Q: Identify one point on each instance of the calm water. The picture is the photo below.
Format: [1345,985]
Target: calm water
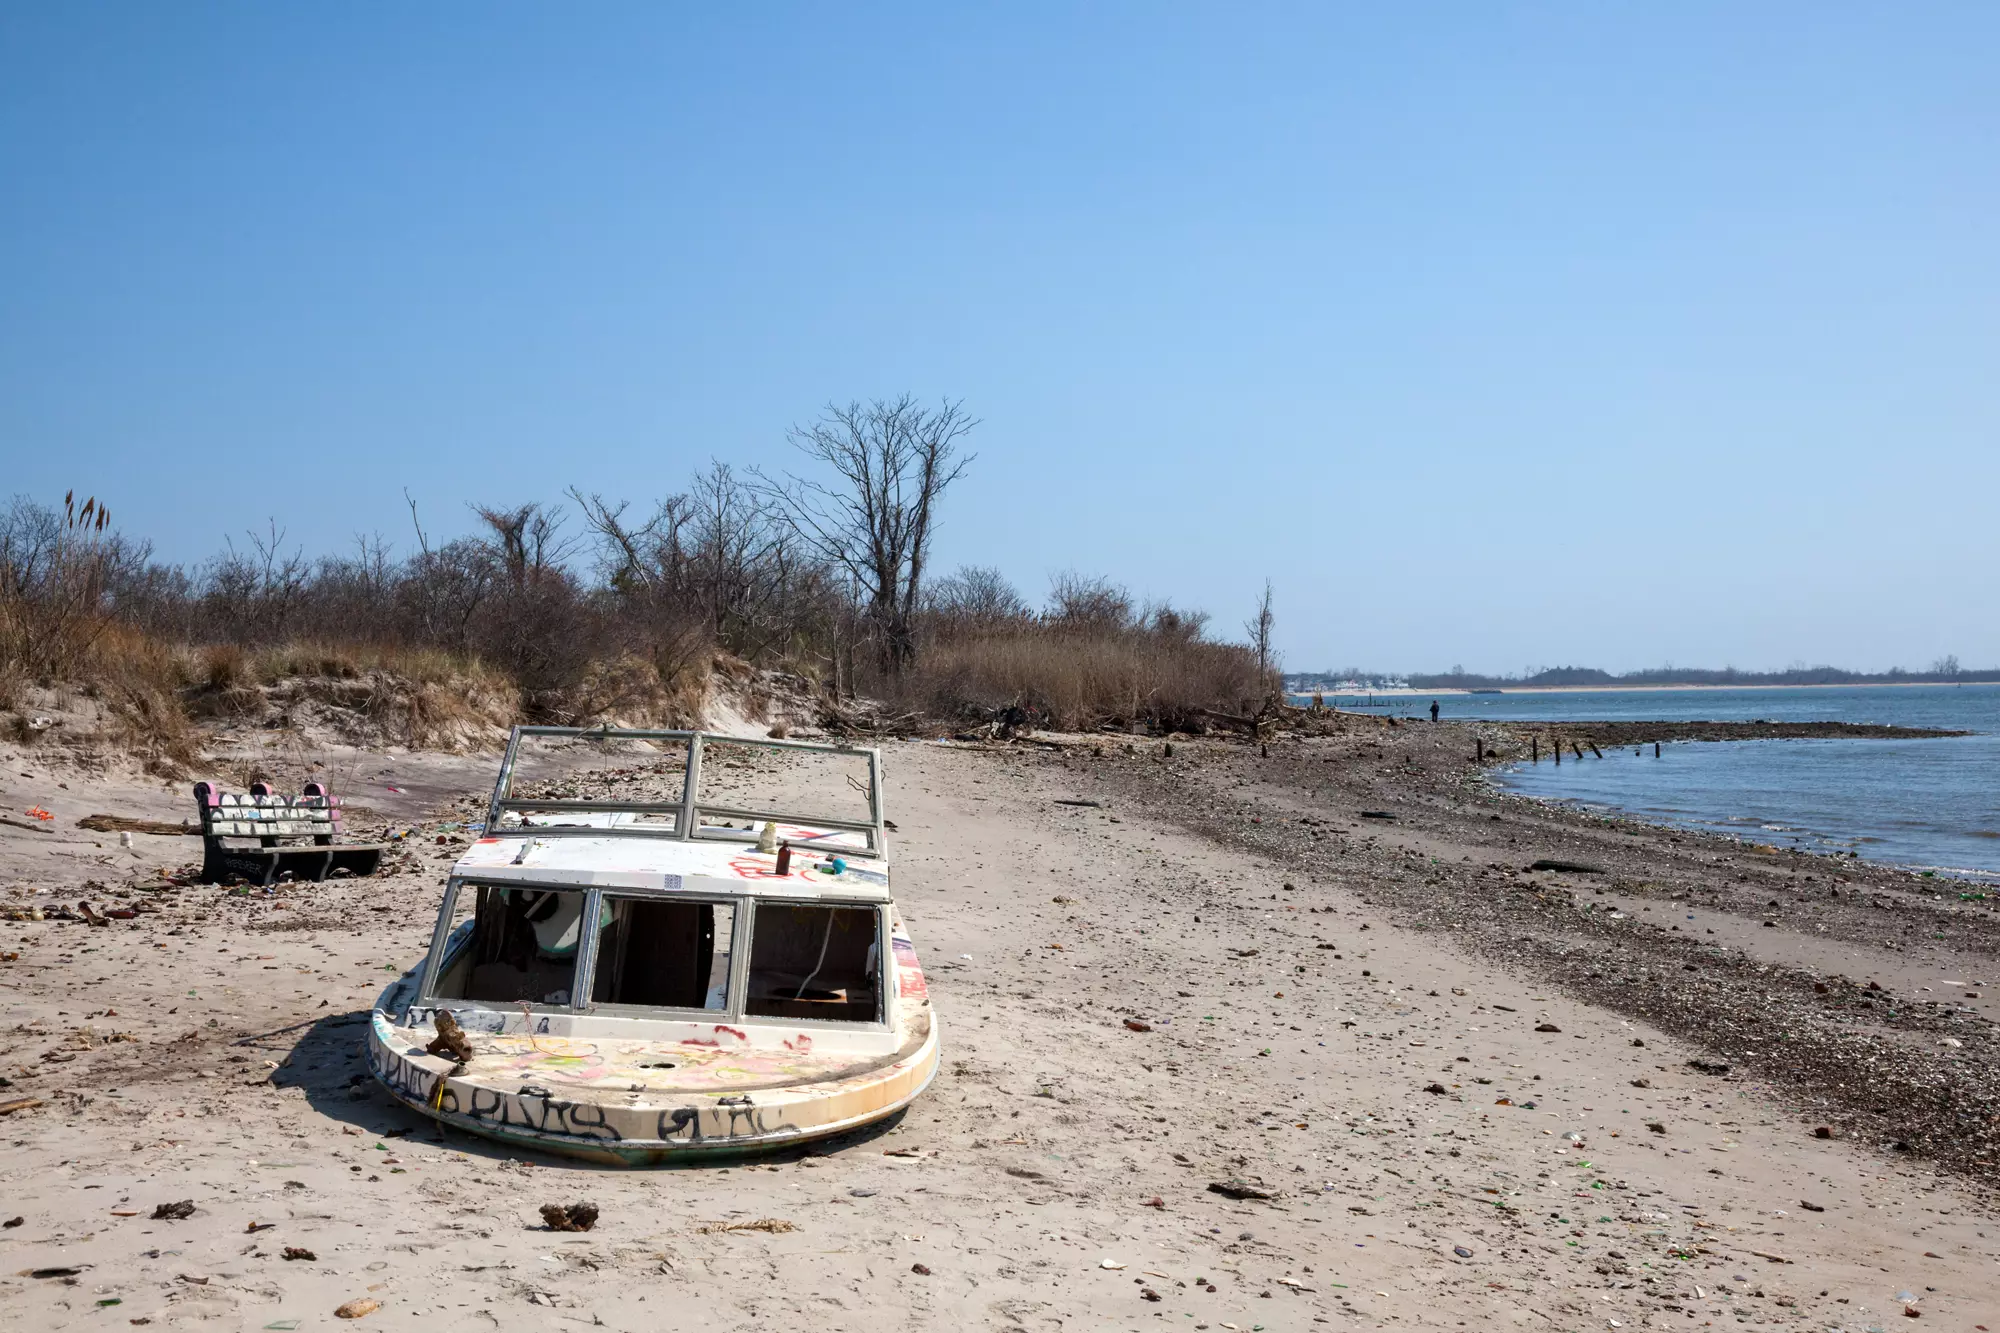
[1931,804]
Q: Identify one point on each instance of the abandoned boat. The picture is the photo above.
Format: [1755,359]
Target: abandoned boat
[639,980]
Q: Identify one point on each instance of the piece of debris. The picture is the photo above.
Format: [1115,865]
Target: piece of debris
[54,1272]
[1138,1025]
[1238,1189]
[1155,1202]
[300,1252]
[771,1226]
[576,1217]
[1656,1127]
[1812,1207]
[1824,1132]
[174,1212]
[13,1104]
[11,1223]
[450,1040]
[1567,867]
[1437,1089]
[120,824]
[1547,1027]
[355,1309]
[922,1270]
[1376,814]
[1715,1067]
[1642,1083]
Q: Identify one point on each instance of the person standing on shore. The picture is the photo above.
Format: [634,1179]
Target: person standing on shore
[1434,710]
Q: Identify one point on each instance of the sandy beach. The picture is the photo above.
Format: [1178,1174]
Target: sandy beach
[1463,1114]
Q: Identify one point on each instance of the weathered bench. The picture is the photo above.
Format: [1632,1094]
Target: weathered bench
[277,824]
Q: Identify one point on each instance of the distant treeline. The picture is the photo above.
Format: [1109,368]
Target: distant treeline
[1943,671]
[622,615]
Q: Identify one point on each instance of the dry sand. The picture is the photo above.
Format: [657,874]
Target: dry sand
[1057,1172]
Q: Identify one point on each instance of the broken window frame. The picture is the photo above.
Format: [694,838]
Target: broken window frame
[884,960]
[584,979]
[738,957]
[435,963]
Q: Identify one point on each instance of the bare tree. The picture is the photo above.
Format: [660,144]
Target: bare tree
[531,540]
[1259,628]
[891,462]
[977,595]
[1078,601]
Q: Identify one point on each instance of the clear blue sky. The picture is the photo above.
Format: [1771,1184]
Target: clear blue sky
[1494,334]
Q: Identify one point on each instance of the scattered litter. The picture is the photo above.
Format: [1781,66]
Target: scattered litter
[920,1270]
[1138,1025]
[299,1252]
[1113,1264]
[1461,1251]
[355,1309]
[174,1212]
[576,1217]
[1237,1189]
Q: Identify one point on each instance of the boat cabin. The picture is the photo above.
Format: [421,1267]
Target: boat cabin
[634,916]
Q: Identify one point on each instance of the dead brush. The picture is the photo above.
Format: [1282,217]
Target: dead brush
[1081,678]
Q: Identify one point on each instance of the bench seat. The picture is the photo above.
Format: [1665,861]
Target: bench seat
[260,836]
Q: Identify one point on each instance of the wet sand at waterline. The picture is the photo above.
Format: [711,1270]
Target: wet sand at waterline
[210,1051]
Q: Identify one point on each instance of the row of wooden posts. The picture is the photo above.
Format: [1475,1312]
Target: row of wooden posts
[1535,749]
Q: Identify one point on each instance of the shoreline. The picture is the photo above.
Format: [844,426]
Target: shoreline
[1522,880]
[1216,1047]
[1640,689]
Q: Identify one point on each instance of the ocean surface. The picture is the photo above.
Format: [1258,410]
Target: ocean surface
[1927,804]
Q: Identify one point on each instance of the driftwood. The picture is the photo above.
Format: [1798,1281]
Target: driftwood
[450,1040]
[120,824]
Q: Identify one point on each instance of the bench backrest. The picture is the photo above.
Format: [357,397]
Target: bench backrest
[262,813]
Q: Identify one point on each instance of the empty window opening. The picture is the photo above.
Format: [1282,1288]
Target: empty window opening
[815,962]
[523,948]
[663,953]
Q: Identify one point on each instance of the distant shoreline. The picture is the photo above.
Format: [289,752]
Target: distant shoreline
[1640,689]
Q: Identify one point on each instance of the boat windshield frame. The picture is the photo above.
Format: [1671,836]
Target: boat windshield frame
[689,812]
[743,934]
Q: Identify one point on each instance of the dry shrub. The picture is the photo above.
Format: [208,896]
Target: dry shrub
[1078,678]
[633,691]
[134,681]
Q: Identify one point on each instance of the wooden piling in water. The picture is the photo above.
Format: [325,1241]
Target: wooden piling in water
[1594,750]
[1535,749]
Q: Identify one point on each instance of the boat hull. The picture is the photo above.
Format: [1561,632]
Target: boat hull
[615,1126]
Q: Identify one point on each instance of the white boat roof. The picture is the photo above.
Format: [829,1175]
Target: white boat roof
[641,845]
[668,865]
